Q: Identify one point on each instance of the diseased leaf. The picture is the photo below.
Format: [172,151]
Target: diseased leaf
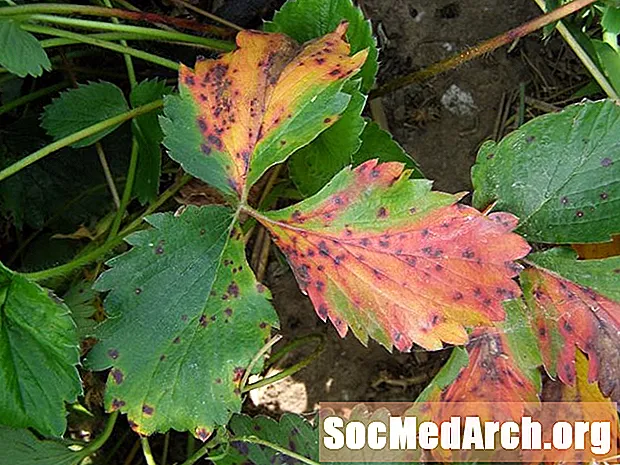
[186,316]
[559,173]
[379,144]
[581,391]
[305,20]
[502,365]
[385,256]
[570,314]
[149,135]
[292,432]
[250,109]
[77,109]
[313,166]
[20,52]
[601,275]
[38,356]
[21,447]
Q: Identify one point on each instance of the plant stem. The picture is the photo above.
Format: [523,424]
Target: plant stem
[257,357]
[131,175]
[131,72]
[87,10]
[101,43]
[213,44]
[77,136]
[110,36]
[146,451]
[110,245]
[483,48]
[206,14]
[101,440]
[108,174]
[32,97]
[292,369]
[583,55]
[271,445]
[200,453]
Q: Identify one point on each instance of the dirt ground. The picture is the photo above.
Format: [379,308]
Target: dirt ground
[441,124]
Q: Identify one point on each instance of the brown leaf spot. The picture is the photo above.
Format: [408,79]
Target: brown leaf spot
[117,375]
[606,162]
[147,410]
[113,354]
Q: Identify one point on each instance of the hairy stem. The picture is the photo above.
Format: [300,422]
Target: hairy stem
[77,136]
[101,43]
[108,174]
[87,10]
[213,44]
[485,47]
[206,14]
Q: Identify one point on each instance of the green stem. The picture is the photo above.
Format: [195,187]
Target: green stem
[146,451]
[131,175]
[200,453]
[101,440]
[87,10]
[213,44]
[32,96]
[110,245]
[77,136]
[481,49]
[131,72]
[583,55]
[271,445]
[102,43]
[294,368]
[109,36]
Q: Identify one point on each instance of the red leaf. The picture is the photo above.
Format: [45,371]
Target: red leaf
[390,259]
[492,374]
[566,316]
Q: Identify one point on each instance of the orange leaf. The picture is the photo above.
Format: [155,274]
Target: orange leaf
[390,259]
[251,108]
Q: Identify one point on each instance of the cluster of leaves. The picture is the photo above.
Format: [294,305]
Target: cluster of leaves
[600,46]
[375,249]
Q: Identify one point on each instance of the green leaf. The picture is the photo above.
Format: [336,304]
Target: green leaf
[609,60]
[186,316]
[77,109]
[61,191]
[21,447]
[377,143]
[602,275]
[149,135]
[611,19]
[458,360]
[20,52]
[305,20]
[81,300]
[292,432]
[314,165]
[559,173]
[38,356]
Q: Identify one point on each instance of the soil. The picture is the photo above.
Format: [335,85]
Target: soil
[441,124]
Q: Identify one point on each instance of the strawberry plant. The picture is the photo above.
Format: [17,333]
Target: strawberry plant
[165,303]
